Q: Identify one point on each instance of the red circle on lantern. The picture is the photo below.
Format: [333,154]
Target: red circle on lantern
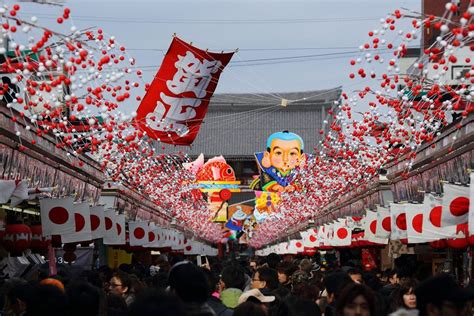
[418,223]
[342,233]
[225,194]
[188,248]
[119,229]
[438,244]
[151,236]
[95,221]
[459,206]
[139,233]
[58,215]
[401,221]
[435,216]
[80,222]
[387,223]
[108,223]
[373,226]
[299,244]
[312,238]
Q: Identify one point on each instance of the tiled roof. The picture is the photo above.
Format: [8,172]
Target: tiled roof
[237,125]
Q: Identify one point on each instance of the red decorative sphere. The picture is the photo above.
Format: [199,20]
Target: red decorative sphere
[17,238]
[457,243]
[38,241]
[439,244]
[69,256]
[225,194]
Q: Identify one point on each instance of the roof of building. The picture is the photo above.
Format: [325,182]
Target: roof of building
[237,125]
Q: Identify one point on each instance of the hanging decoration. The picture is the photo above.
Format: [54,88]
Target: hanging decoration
[176,101]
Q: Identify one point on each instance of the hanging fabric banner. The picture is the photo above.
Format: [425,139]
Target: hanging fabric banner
[176,101]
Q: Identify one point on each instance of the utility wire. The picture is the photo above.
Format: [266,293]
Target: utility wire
[141,20]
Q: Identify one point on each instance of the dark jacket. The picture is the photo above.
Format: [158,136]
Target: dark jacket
[194,309]
[219,308]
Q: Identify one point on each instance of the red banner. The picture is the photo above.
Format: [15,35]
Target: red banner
[176,102]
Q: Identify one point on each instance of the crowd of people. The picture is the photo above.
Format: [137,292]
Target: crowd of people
[266,286]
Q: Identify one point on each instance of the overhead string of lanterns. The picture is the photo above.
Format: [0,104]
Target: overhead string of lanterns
[396,123]
[72,85]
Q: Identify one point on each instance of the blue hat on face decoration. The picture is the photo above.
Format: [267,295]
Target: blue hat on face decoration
[285,135]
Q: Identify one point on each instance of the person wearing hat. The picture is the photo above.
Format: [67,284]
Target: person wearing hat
[441,295]
[256,295]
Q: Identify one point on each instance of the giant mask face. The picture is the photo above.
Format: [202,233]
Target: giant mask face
[284,151]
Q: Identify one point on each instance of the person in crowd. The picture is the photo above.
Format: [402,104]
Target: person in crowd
[121,284]
[306,266]
[18,294]
[154,302]
[253,264]
[355,300]
[47,300]
[273,260]
[54,282]
[269,303]
[442,296]
[84,299]
[356,275]
[116,305]
[213,301]
[154,267]
[296,306]
[189,283]
[382,305]
[285,272]
[393,281]
[251,308]
[333,285]
[231,284]
[307,291]
[266,280]
[404,296]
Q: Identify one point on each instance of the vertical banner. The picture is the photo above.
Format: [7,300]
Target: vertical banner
[53,270]
[176,102]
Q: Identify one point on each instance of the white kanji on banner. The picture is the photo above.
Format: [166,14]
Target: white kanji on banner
[370,229]
[82,224]
[138,233]
[455,205]
[399,221]
[57,216]
[384,223]
[97,222]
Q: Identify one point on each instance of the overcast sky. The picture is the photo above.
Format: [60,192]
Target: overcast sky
[326,33]
[261,29]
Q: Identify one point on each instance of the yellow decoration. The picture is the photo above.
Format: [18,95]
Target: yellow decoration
[116,257]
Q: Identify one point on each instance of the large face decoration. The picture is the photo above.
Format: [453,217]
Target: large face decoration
[284,155]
